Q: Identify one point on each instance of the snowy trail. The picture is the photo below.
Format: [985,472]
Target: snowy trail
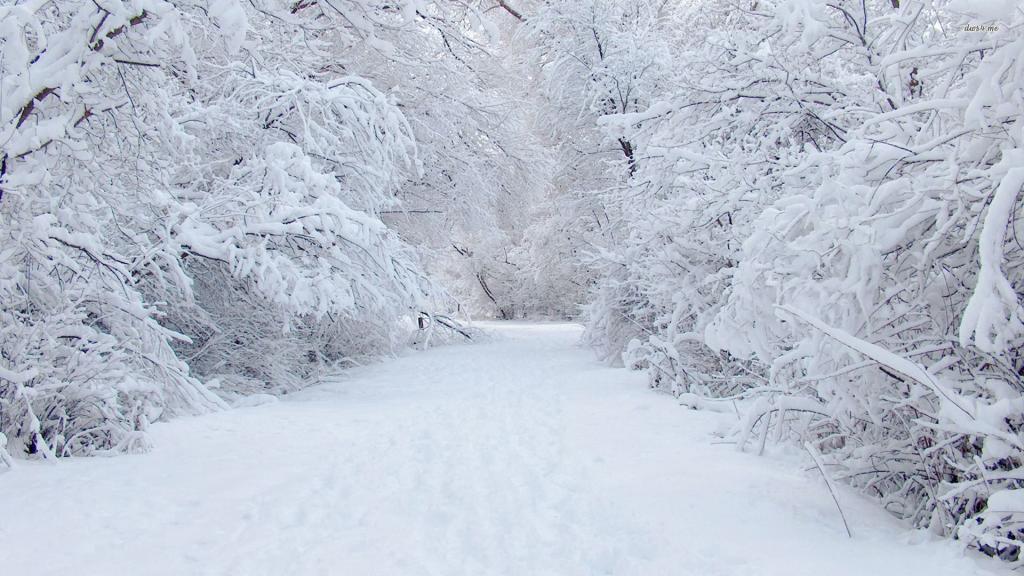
[521,456]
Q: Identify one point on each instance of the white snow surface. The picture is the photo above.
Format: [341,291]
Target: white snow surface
[520,456]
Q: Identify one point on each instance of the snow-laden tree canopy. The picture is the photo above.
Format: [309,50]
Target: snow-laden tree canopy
[817,223]
[194,194]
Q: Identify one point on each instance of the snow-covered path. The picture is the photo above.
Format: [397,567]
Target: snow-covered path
[521,456]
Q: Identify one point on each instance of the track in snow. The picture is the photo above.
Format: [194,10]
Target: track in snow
[521,456]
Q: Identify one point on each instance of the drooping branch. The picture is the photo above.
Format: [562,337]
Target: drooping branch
[490,295]
[515,13]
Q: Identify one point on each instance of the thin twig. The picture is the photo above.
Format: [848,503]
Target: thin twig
[816,456]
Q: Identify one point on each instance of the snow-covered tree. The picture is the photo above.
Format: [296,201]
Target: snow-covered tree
[821,219]
[886,290]
[190,190]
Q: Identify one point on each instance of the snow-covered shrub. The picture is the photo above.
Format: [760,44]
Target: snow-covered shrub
[86,362]
[715,150]
[188,191]
[888,294]
[825,218]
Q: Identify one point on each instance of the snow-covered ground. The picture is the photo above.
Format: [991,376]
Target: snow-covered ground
[521,456]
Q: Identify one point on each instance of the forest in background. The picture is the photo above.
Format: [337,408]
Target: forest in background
[804,213]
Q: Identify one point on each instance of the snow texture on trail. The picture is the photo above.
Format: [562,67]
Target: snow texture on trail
[521,456]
